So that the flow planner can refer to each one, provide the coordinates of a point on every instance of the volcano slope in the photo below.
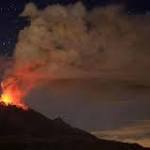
(29, 130)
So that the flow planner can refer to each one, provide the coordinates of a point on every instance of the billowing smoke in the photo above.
(69, 41)
(72, 42)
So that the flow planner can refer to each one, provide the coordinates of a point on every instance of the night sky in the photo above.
(115, 101)
(11, 23)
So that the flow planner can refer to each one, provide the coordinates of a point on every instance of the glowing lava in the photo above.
(12, 94)
(6, 98)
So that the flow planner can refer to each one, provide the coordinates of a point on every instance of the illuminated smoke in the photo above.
(72, 42)
(69, 41)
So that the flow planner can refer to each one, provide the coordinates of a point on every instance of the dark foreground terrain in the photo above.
(29, 130)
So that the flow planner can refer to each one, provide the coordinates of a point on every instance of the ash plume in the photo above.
(69, 41)
(72, 42)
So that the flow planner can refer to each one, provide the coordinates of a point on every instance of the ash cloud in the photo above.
(72, 42)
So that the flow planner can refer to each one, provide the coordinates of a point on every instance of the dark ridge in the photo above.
(29, 130)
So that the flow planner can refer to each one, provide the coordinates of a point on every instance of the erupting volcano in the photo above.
(12, 94)
(22, 130)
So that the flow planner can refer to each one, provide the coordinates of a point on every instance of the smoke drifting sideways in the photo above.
(72, 42)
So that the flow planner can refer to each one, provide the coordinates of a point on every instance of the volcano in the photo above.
(29, 130)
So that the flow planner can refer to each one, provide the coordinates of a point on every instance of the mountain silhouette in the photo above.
(29, 130)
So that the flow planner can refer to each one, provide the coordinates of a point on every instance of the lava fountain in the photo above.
(12, 94)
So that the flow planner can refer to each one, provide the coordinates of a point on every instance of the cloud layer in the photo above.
(135, 133)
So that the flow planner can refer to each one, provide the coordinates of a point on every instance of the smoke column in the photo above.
(72, 42)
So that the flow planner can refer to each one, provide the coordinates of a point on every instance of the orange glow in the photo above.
(12, 94)
(18, 84)
(6, 98)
